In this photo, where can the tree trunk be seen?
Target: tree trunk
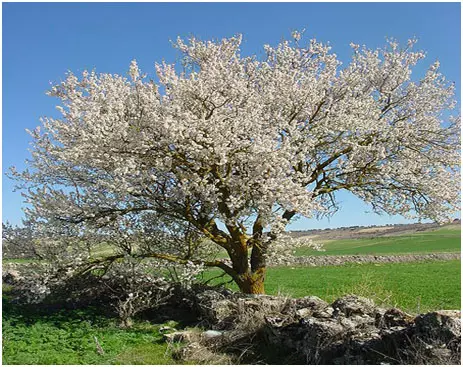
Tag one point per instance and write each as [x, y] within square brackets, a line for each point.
[251, 276]
[252, 283]
[248, 275]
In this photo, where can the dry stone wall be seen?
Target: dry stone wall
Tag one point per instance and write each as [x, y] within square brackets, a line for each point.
[308, 330]
[363, 259]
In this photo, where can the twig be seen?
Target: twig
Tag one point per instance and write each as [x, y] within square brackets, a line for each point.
[99, 349]
[216, 277]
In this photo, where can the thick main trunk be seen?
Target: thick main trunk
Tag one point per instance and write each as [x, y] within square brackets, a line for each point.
[250, 275]
[252, 283]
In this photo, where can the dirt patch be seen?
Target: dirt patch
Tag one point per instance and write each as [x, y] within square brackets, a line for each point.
[377, 229]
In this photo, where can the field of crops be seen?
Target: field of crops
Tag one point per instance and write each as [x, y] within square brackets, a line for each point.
[414, 287]
[446, 239]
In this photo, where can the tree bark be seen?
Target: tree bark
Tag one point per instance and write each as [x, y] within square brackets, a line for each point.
[250, 276]
[252, 283]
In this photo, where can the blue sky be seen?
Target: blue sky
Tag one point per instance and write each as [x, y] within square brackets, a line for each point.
[41, 41]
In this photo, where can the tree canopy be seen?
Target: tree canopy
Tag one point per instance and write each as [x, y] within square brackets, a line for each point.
[246, 142]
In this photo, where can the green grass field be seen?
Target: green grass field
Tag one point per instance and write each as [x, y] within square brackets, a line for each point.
[31, 336]
[446, 239]
[67, 337]
[415, 287]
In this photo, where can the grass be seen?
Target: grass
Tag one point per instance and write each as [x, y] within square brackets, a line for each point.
[414, 287]
[446, 239]
[32, 336]
[20, 261]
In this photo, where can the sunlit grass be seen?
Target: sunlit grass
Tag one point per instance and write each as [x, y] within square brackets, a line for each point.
[445, 239]
[68, 337]
[415, 287]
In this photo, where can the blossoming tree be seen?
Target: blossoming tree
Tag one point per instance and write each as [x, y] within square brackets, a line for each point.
[232, 148]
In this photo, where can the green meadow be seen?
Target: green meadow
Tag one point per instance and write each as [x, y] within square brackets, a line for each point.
[446, 239]
[34, 336]
[414, 287]
[37, 337]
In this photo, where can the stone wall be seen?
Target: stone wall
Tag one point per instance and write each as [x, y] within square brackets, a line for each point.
[322, 260]
[350, 330]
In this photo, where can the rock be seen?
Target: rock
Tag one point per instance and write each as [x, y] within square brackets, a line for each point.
[363, 321]
[443, 325]
[347, 324]
[211, 334]
[182, 336]
[275, 322]
[164, 329]
[311, 302]
[351, 305]
[312, 305]
[362, 259]
[379, 314]
[324, 313]
[317, 330]
[393, 317]
[352, 330]
[304, 312]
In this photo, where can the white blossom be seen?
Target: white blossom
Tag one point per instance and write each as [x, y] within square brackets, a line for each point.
[245, 142]
[134, 71]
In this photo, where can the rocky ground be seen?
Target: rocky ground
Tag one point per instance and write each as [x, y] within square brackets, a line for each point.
[278, 330]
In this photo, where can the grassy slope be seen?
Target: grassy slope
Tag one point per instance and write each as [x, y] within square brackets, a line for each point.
[415, 287]
[445, 239]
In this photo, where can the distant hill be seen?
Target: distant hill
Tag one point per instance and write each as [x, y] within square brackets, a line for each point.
[369, 231]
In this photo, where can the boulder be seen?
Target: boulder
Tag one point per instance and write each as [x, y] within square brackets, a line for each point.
[352, 305]
[324, 313]
[182, 336]
[443, 325]
[393, 317]
[311, 306]
[212, 334]
[311, 302]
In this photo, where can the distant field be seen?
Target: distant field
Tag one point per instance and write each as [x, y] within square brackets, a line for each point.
[415, 287]
[446, 239]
